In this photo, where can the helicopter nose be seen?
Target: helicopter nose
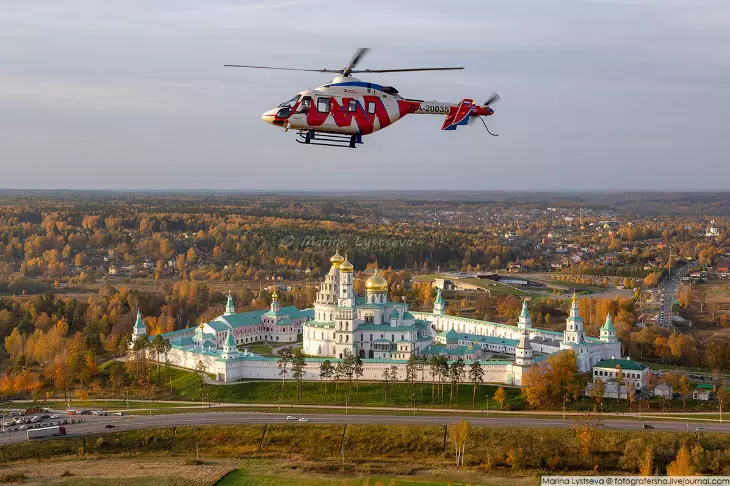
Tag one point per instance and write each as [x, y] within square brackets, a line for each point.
[269, 116]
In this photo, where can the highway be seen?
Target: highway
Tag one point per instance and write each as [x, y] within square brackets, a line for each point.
[667, 292]
[95, 424]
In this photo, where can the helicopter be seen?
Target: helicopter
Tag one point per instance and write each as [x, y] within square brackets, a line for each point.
[344, 110]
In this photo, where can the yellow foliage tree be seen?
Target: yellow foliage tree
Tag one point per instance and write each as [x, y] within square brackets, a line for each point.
[682, 465]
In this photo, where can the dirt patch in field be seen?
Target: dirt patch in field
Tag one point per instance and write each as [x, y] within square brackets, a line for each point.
[127, 471]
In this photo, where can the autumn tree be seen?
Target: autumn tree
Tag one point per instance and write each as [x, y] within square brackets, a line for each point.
[682, 464]
[598, 390]
[500, 397]
[458, 435]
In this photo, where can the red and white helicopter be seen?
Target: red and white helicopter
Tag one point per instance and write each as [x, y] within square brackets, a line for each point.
[342, 111]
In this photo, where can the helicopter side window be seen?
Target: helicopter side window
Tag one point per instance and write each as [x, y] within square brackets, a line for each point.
[323, 105]
[305, 105]
[371, 107]
[352, 106]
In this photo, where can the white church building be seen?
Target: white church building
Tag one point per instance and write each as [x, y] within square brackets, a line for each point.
[380, 332]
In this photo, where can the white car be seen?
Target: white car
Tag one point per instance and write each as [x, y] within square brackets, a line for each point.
[291, 417]
[55, 416]
[304, 419]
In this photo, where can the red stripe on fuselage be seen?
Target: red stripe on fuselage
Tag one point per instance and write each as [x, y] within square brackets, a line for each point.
[365, 121]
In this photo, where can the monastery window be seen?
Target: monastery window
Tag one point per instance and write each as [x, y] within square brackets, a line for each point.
[347, 339]
[392, 337]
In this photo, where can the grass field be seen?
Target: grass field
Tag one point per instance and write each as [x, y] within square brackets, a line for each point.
[188, 386]
[495, 287]
[307, 453]
[244, 477]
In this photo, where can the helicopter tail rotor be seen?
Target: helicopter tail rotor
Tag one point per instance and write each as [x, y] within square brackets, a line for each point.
[484, 106]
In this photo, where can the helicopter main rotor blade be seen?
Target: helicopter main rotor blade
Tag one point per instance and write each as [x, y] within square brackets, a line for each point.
[355, 60]
[283, 68]
[407, 70]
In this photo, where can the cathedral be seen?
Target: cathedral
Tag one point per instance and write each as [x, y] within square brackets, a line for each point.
[380, 332]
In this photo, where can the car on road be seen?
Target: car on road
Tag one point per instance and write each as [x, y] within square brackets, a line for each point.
[291, 417]
[119, 414]
[304, 419]
[699, 429]
[647, 427]
[109, 426]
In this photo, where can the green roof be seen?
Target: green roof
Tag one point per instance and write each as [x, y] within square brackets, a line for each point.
[395, 314]
[625, 364]
[452, 335]
[230, 341]
[608, 325]
[525, 313]
[138, 324]
[439, 297]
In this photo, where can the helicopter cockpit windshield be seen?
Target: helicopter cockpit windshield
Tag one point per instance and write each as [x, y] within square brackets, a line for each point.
[285, 107]
[290, 103]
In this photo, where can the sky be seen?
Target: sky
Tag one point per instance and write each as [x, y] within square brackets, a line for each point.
[596, 95]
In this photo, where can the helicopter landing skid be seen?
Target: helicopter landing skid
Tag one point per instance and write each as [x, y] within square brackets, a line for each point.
[311, 137]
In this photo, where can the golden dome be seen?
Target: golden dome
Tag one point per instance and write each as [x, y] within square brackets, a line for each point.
[336, 259]
[376, 283]
[346, 266]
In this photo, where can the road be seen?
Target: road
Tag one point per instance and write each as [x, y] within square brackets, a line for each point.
[98, 424]
[667, 292]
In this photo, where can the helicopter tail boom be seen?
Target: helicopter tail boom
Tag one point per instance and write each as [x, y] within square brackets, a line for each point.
[457, 114]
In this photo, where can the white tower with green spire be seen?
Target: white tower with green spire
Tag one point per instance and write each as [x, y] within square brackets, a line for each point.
[438, 305]
[608, 332]
[230, 306]
[229, 346]
[139, 328]
[524, 321]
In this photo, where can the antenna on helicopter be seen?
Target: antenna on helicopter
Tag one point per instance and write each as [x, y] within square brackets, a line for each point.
[350, 68]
